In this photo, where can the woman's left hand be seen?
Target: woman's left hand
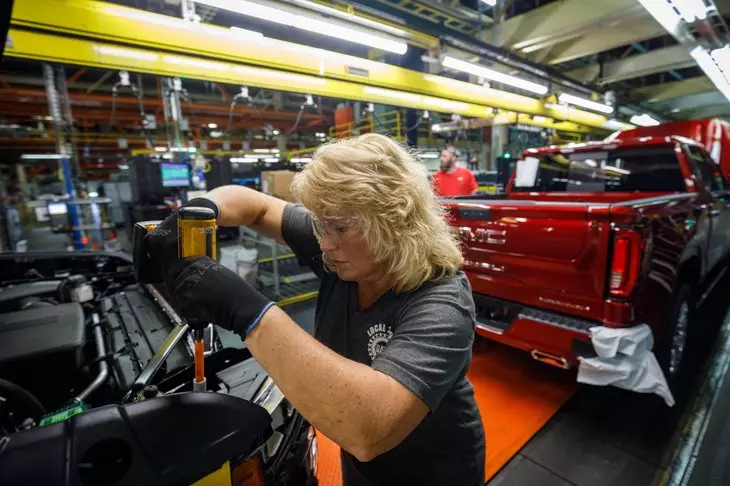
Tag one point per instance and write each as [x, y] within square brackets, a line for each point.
[205, 291]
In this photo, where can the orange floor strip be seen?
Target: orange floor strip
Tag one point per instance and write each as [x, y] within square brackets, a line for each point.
[516, 397]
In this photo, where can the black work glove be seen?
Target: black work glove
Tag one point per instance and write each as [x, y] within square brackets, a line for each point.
[161, 242]
[205, 291]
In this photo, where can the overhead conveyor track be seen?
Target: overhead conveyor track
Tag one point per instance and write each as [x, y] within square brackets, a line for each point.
[110, 36]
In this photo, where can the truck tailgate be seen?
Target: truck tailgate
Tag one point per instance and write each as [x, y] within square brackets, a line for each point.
[543, 254]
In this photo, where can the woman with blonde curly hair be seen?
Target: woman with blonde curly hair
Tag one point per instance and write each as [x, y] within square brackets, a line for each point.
[385, 374]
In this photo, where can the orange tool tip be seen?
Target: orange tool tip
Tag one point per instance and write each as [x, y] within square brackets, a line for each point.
[199, 360]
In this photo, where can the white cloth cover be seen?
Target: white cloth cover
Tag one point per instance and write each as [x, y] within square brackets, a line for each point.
[625, 360]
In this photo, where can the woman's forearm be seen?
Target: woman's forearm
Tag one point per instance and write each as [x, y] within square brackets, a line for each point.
[361, 409]
[242, 206]
[237, 205]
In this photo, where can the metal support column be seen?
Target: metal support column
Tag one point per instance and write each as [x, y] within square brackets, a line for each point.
[22, 181]
[6, 243]
[61, 127]
[174, 121]
[412, 60]
[500, 139]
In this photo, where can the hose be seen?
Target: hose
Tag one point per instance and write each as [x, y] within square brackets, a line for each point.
[103, 374]
[12, 391]
[233, 105]
[296, 122]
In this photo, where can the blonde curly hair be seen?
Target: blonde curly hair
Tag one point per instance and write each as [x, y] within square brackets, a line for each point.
[380, 184]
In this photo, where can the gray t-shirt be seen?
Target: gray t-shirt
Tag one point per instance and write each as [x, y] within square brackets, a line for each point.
[423, 340]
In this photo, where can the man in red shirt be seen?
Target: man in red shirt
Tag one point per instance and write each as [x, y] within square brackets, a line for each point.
[452, 180]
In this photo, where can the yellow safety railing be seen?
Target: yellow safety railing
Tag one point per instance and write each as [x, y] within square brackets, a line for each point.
[299, 154]
[388, 123]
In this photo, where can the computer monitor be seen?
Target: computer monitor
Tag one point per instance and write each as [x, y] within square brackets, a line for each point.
[57, 209]
[175, 175]
[58, 215]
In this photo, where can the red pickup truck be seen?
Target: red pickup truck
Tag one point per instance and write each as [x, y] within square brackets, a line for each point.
[598, 236]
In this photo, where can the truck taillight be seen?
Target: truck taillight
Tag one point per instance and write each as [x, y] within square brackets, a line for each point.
[626, 262]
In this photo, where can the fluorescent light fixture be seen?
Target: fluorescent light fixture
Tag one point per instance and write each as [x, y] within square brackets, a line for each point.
[126, 53]
[271, 159]
[389, 93]
[275, 151]
[307, 23]
[691, 10]
[491, 3]
[578, 101]
[346, 15]
[93, 194]
[663, 13]
[481, 71]
[711, 69]
[41, 156]
[430, 155]
[247, 160]
[276, 131]
[262, 151]
[477, 88]
[539, 119]
[644, 120]
[301, 159]
[123, 167]
[722, 58]
[212, 125]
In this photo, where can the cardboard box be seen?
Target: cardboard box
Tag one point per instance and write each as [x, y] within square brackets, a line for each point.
[278, 183]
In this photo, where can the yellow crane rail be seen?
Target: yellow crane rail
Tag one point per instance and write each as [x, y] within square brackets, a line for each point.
[175, 47]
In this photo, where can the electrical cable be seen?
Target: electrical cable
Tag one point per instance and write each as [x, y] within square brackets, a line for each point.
[414, 126]
[251, 102]
[124, 82]
[296, 122]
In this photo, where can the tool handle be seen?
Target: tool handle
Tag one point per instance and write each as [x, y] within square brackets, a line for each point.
[199, 359]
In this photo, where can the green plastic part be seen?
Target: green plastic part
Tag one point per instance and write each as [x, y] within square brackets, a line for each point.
[63, 414]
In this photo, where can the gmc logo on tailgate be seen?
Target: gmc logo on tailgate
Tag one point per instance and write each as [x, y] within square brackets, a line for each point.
[482, 235]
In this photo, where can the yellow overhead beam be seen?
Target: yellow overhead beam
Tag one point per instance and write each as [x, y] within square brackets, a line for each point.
[114, 23]
[82, 52]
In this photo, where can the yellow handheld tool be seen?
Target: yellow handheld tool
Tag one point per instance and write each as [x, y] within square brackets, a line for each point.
[196, 236]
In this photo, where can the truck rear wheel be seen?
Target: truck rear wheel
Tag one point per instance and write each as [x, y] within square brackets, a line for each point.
[674, 343]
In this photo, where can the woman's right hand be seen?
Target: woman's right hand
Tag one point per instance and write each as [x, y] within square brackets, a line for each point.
[161, 242]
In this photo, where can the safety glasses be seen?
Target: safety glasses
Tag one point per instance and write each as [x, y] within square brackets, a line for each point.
[337, 229]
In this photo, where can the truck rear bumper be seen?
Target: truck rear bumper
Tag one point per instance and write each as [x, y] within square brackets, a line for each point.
[550, 337]
[620, 357]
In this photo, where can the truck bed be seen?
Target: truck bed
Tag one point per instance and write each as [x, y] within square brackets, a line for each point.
[549, 254]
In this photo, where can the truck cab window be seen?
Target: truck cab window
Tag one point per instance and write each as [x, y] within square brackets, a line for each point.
[629, 170]
[707, 170]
